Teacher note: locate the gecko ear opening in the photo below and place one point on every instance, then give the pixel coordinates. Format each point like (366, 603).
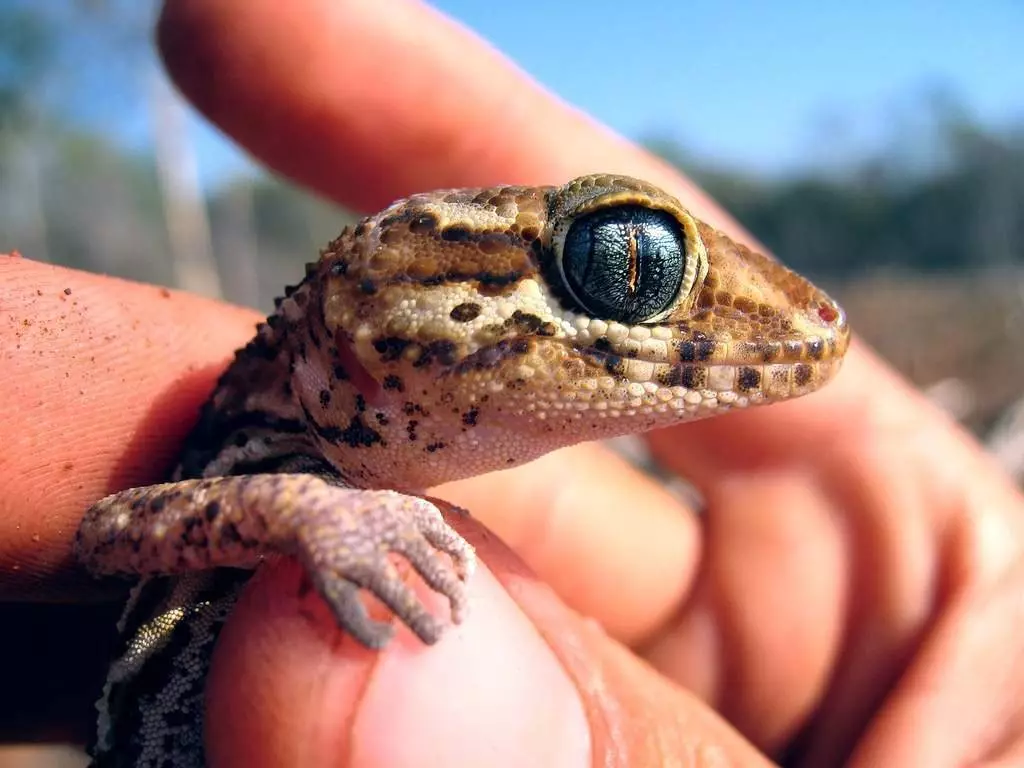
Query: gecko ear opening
(348, 368)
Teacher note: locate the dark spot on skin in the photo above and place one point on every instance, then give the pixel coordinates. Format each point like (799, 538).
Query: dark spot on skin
(423, 224)
(325, 398)
(286, 389)
(339, 268)
(767, 350)
(409, 408)
(528, 323)
(470, 416)
(340, 373)
(802, 374)
(303, 351)
(434, 447)
(694, 377)
(443, 351)
(229, 534)
(748, 379)
(157, 504)
(705, 349)
(212, 510)
(367, 286)
(276, 322)
(410, 429)
(331, 434)
(393, 383)
(465, 312)
(614, 365)
(491, 357)
(815, 349)
(382, 419)
(241, 438)
(360, 435)
(492, 243)
(688, 352)
(673, 377)
(390, 348)
(603, 344)
(67, 291)
(314, 337)
(455, 234)
(360, 403)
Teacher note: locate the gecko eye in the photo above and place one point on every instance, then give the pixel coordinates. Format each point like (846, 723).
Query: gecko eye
(624, 263)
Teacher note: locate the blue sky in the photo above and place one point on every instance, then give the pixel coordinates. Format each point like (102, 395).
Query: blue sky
(769, 86)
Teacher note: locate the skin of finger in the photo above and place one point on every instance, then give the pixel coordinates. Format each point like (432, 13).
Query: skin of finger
(564, 149)
(964, 684)
(288, 688)
(525, 682)
(633, 577)
(902, 476)
(767, 539)
(365, 128)
(637, 715)
(103, 378)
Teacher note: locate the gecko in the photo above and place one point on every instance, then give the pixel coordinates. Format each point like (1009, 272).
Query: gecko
(454, 333)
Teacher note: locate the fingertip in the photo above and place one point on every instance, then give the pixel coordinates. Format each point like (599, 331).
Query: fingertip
(287, 688)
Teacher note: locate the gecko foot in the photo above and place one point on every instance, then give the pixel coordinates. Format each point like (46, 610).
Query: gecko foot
(342, 559)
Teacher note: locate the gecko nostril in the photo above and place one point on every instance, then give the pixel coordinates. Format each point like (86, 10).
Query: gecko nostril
(829, 313)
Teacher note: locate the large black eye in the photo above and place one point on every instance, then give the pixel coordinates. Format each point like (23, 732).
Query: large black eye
(624, 263)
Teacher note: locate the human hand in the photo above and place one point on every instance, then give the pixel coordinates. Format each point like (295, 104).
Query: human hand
(853, 587)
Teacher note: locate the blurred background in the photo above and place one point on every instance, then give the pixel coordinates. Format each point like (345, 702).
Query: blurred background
(879, 148)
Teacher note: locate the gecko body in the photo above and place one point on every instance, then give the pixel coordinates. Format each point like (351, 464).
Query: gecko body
(454, 333)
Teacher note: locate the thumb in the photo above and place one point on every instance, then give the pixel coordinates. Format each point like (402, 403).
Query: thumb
(523, 681)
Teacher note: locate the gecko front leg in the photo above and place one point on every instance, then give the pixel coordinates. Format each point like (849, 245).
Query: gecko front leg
(344, 538)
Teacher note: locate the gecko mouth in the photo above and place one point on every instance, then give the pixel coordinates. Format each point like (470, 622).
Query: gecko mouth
(698, 368)
(728, 381)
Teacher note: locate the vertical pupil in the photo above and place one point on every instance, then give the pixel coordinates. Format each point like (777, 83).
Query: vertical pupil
(624, 263)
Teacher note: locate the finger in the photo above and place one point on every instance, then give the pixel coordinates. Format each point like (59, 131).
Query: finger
(286, 689)
(369, 102)
(869, 494)
(102, 379)
(964, 684)
(614, 544)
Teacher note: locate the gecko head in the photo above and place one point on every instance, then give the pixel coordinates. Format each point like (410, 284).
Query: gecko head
(598, 308)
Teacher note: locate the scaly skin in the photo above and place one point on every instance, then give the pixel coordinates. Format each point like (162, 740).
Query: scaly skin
(454, 333)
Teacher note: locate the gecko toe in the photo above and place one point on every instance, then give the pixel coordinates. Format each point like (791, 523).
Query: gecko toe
(343, 558)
